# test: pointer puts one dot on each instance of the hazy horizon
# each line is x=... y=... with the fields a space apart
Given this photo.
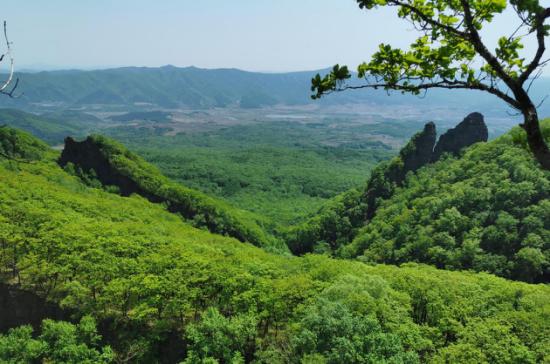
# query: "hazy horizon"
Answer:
x=251 y=35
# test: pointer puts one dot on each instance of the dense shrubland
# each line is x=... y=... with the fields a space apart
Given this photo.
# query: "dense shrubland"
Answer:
x=57 y=342
x=159 y=288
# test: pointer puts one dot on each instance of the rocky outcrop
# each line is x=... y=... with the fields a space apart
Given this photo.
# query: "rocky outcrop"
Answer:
x=88 y=156
x=418 y=151
x=337 y=224
x=416 y=154
x=470 y=131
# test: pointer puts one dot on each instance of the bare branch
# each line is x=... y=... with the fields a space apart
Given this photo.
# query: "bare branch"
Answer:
x=539 y=73
x=8 y=53
x=542 y=101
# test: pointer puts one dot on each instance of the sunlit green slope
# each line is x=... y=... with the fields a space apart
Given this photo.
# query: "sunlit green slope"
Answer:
x=487 y=210
x=100 y=159
x=162 y=289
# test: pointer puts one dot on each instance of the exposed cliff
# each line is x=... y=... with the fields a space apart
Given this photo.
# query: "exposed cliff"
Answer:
x=470 y=131
x=416 y=154
x=89 y=156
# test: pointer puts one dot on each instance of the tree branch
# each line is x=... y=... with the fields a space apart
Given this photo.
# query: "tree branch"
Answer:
x=9 y=80
x=429 y=20
x=481 y=49
x=445 y=84
x=539 y=27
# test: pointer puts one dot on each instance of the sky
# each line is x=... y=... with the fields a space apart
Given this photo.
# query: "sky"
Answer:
x=254 y=35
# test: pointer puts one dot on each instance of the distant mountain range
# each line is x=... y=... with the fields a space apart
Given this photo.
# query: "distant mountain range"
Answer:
x=191 y=87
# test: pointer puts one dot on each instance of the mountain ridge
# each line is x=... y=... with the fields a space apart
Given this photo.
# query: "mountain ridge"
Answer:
x=192 y=87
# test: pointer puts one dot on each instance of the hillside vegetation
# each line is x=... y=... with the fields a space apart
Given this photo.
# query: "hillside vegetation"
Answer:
x=160 y=289
x=486 y=211
x=282 y=170
x=103 y=160
x=50 y=128
x=191 y=87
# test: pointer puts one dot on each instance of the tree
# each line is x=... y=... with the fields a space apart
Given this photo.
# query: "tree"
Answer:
x=447 y=51
x=330 y=333
x=217 y=338
x=58 y=342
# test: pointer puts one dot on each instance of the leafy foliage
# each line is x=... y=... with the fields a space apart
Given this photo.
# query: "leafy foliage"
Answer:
x=18 y=144
x=446 y=50
x=149 y=278
x=203 y=210
x=58 y=342
x=330 y=333
x=486 y=211
x=444 y=53
x=216 y=337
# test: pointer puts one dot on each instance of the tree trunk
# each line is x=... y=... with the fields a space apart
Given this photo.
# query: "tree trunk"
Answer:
x=534 y=137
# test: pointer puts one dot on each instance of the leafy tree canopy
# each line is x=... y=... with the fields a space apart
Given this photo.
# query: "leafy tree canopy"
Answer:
x=450 y=53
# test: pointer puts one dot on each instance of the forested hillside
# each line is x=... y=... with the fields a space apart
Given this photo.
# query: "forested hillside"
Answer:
x=191 y=87
x=50 y=128
x=486 y=210
x=160 y=290
x=104 y=162
x=282 y=170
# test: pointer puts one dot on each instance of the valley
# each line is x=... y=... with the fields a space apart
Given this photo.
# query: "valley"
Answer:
x=282 y=162
x=237 y=234
x=275 y=182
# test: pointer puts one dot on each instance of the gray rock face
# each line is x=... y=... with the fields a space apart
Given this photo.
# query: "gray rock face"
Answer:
x=471 y=130
x=88 y=156
x=418 y=152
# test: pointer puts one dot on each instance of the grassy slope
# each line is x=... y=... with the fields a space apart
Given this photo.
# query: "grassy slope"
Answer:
x=130 y=262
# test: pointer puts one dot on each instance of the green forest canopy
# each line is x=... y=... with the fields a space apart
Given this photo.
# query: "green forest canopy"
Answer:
x=148 y=275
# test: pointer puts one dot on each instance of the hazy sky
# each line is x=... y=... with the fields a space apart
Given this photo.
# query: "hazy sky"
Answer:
x=258 y=35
